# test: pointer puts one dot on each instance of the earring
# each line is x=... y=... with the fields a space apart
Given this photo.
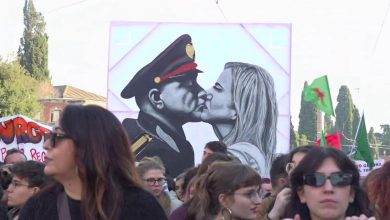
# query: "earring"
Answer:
x=229 y=211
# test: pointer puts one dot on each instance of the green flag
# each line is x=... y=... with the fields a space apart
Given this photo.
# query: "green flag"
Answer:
x=363 y=147
x=319 y=93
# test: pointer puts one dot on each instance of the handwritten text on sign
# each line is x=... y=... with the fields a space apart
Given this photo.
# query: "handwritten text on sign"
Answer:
x=25 y=134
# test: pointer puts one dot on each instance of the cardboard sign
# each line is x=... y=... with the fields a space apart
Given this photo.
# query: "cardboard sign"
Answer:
x=364 y=169
x=25 y=134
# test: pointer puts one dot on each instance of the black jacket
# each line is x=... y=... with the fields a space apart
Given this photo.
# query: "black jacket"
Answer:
x=177 y=156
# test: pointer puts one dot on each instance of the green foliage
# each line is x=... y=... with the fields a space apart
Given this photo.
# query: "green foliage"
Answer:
x=373 y=143
x=18 y=91
x=355 y=120
x=385 y=135
x=329 y=127
x=307 y=119
x=293 y=138
x=302 y=140
x=344 y=115
x=33 y=51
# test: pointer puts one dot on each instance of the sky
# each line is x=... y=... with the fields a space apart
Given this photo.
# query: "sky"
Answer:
x=345 y=40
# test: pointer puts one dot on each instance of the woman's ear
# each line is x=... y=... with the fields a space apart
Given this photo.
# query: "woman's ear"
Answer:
x=301 y=195
x=35 y=190
x=352 y=196
x=155 y=99
x=222 y=199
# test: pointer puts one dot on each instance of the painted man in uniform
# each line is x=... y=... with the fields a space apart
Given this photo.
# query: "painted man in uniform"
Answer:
x=168 y=96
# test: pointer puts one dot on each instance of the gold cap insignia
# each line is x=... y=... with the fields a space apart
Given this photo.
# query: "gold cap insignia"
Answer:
x=190 y=50
x=157 y=79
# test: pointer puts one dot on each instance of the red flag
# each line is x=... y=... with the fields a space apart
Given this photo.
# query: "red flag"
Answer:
x=332 y=140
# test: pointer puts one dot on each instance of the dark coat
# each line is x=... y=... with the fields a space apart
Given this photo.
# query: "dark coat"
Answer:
x=176 y=159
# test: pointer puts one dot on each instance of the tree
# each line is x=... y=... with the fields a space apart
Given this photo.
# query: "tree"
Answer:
x=328 y=125
x=307 y=119
x=355 y=119
x=344 y=116
x=18 y=91
x=33 y=49
x=385 y=135
x=293 y=138
x=303 y=140
x=373 y=143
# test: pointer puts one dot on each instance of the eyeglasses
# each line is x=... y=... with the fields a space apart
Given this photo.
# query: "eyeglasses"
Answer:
x=54 y=136
x=153 y=181
x=338 y=179
x=290 y=166
x=17 y=184
x=252 y=195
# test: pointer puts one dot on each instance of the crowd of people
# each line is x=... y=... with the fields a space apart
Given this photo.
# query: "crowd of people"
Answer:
x=90 y=173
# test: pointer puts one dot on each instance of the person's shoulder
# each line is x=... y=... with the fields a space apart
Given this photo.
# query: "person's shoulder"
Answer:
x=44 y=203
x=140 y=204
x=138 y=196
x=180 y=213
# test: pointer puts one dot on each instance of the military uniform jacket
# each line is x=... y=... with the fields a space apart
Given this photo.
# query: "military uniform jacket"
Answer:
x=174 y=150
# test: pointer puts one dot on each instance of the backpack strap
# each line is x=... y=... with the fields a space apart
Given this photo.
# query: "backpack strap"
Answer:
x=63 y=207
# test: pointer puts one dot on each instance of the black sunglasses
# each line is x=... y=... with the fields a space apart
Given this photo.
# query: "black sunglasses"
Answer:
x=338 y=179
x=54 y=136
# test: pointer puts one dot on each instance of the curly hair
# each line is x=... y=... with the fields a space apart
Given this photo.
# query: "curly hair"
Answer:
x=379 y=191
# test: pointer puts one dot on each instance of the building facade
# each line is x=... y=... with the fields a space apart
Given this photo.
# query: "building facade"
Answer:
x=64 y=95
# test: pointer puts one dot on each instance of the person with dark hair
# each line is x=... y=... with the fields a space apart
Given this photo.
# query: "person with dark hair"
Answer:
x=266 y=187
x=325 y=185
x=189 y=175
x=3 y=207
x=182 y=212
x=278 y=208
x=14 y=155
x=205 y=165
x=179 y=181
x=189 y=178
x=213 y=147
x=5 y=180
x=378 y=188
x=226 y=191
x=28 y=178
x=88 y=154
x=279 y=175
x=279 y=179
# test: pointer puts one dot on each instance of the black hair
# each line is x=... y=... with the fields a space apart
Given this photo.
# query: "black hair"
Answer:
x=278 y=169
x=216 y=146
x=301 y=149
x=31 y=171
x=170 y=183
x=189 y=174
x=310 y=164
x=215 y=157
x=13 y=151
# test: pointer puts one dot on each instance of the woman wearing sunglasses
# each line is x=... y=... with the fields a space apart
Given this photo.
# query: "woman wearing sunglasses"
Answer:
x=88 y=154
x=325 y=185
x=226 y=191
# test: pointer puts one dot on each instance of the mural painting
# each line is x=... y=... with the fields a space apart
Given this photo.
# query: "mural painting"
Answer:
x=156 y=82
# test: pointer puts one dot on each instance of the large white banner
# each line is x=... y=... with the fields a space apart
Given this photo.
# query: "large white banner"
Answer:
x=171 y=111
